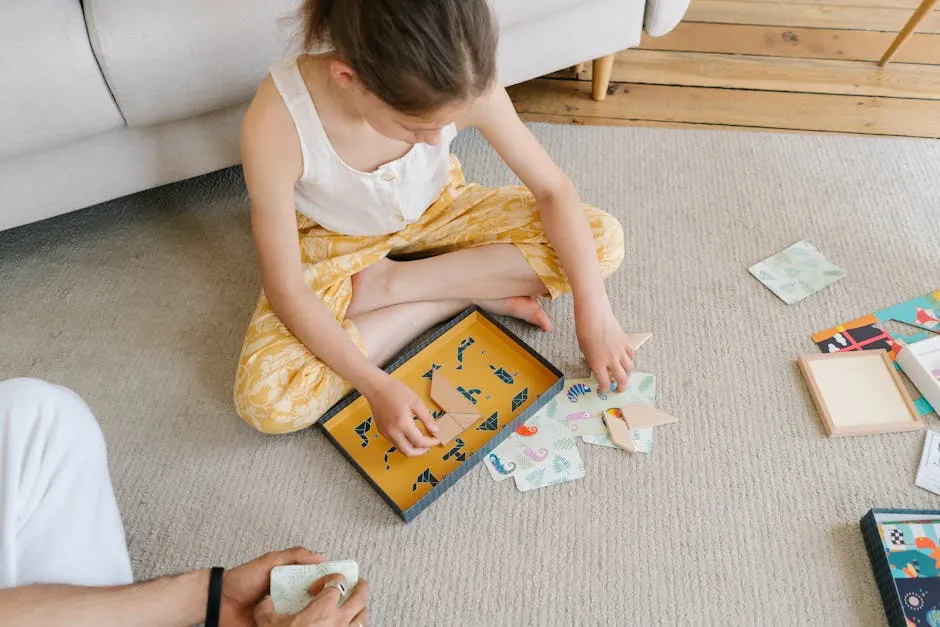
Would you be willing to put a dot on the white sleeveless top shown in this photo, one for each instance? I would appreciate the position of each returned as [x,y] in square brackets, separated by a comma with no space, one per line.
[345,200]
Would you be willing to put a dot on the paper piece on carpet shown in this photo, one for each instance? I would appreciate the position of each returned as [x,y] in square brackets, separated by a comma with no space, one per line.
[796,272]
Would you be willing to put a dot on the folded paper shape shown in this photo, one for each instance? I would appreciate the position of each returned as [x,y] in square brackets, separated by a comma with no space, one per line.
[619,431]
[643,416]
[620,422]
[459,413]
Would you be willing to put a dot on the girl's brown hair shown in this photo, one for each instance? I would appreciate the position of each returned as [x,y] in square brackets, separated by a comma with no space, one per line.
[415,55]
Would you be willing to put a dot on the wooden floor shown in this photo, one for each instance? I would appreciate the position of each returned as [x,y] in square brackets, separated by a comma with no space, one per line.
[751,64]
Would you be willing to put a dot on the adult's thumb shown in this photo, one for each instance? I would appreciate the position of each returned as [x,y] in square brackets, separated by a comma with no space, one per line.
[264,610]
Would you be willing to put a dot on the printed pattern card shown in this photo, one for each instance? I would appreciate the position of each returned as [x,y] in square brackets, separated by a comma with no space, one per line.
[928,473]
[540,453]
[797,272]
[289,584]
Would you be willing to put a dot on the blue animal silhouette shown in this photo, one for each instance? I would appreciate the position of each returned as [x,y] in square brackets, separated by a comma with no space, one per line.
[470,394]
[430,372]
[490,424]
[424,477]
[519,399]
[502,375]
[464,345]
[456,452]
[388,454]
[362,430]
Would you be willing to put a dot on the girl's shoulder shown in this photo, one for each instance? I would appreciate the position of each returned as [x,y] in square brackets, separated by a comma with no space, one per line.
[268,131]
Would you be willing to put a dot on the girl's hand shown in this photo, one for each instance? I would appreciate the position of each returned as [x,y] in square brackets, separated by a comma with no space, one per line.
[394,406]
[606,348]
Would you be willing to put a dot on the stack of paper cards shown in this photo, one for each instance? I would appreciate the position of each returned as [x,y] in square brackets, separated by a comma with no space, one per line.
[797,272]
[290,584]
[540,453]
[544,452]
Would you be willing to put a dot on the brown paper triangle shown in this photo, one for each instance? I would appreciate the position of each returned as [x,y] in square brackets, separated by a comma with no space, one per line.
[643,416]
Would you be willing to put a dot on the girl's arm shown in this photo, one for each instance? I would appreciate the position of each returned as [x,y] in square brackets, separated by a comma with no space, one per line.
[272,161]
[602,340]
[272,164]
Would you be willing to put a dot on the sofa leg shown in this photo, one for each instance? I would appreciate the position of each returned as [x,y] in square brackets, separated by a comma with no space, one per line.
[601,76]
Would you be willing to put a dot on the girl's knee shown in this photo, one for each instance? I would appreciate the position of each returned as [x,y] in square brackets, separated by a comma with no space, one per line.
[272,408]
[608,240]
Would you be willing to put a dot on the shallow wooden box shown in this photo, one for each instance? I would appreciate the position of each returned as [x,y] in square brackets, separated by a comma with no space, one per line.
[504,378]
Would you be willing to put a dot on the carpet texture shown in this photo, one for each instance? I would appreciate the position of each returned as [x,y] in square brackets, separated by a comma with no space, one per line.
[744,514]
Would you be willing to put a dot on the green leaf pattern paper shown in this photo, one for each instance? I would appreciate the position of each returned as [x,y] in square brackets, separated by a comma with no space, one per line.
[562,464]
[640,390]
[797,272]
[289,584]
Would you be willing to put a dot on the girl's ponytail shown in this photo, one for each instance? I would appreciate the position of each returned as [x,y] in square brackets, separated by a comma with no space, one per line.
[316,16]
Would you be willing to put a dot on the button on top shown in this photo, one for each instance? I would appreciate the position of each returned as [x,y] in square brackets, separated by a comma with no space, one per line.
[388,175]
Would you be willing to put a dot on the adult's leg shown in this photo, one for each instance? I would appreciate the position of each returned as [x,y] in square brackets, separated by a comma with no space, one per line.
[59,521]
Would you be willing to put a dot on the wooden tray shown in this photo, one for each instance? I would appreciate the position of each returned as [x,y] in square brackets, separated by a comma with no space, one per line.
[505,379]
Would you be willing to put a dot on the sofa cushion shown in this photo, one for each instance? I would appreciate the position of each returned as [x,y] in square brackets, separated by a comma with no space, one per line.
[512,12]
[51,90]
[173,59]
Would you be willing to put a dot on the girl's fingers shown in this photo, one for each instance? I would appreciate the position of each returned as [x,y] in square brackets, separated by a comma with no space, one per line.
[425,417]
[627,363]
[403,445]
[620,376]
[417,439]
[603,379]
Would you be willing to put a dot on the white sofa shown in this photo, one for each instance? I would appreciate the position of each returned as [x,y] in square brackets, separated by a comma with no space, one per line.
[103,98]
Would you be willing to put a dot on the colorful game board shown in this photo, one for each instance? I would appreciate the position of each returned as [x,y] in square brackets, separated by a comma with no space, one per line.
[868,332]
[506,381]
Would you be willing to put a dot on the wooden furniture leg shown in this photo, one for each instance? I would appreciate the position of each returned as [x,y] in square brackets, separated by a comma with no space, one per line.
[925,7]
[578,68]
[601,74]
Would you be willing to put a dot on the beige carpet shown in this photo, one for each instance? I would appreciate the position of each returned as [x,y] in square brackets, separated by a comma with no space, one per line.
[745,514]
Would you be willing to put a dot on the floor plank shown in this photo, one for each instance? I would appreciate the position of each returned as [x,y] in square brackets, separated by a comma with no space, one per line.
[909,5]
[599,121]
[697,69]
[782,41]
[797,111]
[806,15]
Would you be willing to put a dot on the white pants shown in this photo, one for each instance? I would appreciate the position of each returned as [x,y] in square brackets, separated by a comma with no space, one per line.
[59,522]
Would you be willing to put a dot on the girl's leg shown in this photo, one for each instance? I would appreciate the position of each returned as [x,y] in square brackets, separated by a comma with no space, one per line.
[490,272]
[386,331]
[487,248]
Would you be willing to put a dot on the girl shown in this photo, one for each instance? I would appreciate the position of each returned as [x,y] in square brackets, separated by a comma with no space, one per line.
[350,147]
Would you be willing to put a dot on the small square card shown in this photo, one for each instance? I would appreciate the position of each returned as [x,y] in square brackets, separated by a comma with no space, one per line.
[928,473]
[797,272]
[289,584]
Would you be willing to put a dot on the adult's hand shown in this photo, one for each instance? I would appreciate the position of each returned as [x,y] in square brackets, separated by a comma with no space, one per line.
[324,610]
[244,586]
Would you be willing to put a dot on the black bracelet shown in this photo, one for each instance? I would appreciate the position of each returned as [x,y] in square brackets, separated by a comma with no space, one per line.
[215,596]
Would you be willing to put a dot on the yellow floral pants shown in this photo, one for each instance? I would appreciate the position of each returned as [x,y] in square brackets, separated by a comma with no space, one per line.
[280,386]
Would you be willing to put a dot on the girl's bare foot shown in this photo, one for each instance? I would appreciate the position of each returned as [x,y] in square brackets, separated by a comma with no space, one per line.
[525,308]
